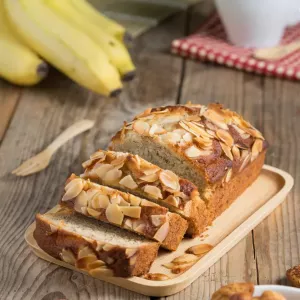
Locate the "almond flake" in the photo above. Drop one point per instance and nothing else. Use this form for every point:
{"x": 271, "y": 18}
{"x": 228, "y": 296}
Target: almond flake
{"x": 73, "y": 189}
{"x": 85, "y": 251}
{"x": 225, "y": 136}
{"x": 108, "y": 247}
{"x": 68, "y": 256}
{"x": 87, "y": 163}
{"x": 116, "y": 198}
{"x": 228, "y": 175}
{"x": 53, "y": 228}
{"x": 169, "y": 265}
{"x": 254, "y": 132}
{"x": 114, "y": 214}
{"x": 98, "y": 155}
{"x": 128, "y": 224}
{"x": 123, "y": 202}
{"x": 112, "y": 175}
{"x": 151, "y": 169}
{"x": 215, "y": 118}
{"x": 94, "y": 213}
{"x": 145, "y": 202}
{"x": 149, "y": 178}
{"x": 128, "y": 182}
{"x": 245, "y": 162}
{"x": 172, "y": 137}
{"x": 154, "y": 191}
{"x": 169, "y": 179}
{"x": 194, "y": 152}
{"x": 130, "y": 252}
{"x": 131, "y": 211}
{"x": 245, "y": 136}
{"x": 101, "y": 271}
{"x": 80, "y": 201}
{"x": 156, "y": 276}
{"x": 185, "y": 258}
{"x": 257, "y": 147}
{"x": 96, "y": 264}
{"x": 141, "y": 127}
{"x": 199, "y": 249}
{"x": 226, "y": 150}
{"x": 157, "y": 112}
{"x": 119, "y": 161}
{"x": 188, "y": 137}
{"x": 140, "y": 229}
{"x": 102, "y": 169}
{"x": 99, "y": 201}
{"x": 135, "y": 201}
{"x": 172, "y": 201}
{"x": 162, "y": 232}
{"x": 236, "y": 152}
{"x": 158, "y": 220}
{"x": 202, "y": 110}
{"x": 155, "y": 129}
{"x": 179, "y": 269}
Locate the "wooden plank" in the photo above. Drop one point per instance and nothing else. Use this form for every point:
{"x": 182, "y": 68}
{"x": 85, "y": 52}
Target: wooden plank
{"x": 8, "y": 100}
{"x": 277, "y": 239}
{"x": 43, "y": 112}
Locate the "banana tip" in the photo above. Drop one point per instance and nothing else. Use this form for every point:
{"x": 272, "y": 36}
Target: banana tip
{"x": 43, "y": 69}
{"x": 115, "y": 93}
{"x": 129, "y": 76}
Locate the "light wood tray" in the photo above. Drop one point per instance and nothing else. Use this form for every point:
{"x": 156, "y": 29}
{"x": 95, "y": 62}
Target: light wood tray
{"x": 257, "y": 202}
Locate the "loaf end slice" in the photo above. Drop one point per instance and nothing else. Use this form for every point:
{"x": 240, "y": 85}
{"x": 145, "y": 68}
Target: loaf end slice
{"x": 98, "y": 248}
{"x": 135, "y": 175}
{"x": 124, "y": 210}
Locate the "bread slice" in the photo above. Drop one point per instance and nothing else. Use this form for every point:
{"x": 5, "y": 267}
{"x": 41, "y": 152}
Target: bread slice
{"x": 212, "y": 147}
{"x": 133, "y": 174}
{"x": 125, "y": 210}
{"x": 98, "y": 248}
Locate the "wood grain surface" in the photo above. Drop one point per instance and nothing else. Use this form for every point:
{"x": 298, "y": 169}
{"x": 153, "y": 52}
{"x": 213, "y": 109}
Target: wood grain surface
{"x": 30, "y": 118}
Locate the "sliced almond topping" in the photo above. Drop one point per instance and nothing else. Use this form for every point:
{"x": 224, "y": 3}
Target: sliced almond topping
{"x": 84, "y": 211}
{"x": 102, "y": 169}
{"x": 244, "y": 153}
{"x": 245, "y": 162}
{"x": 185, "y": 258}
{"x": 226, "y": 150}
{"x": 53, "y": 228}
{"x": 155, "y": 129}
{"x": 98, "y": 155}
{"x": 131, "y": 211}
{"x": 194, "y": 128}
{"x": 100, "y": 272}
{"x": 85, "y": 251}
{"x": 187, "y": 137}
{"x": 141, "y": 228}
{"x": 161, "y": 111}
{"x": 73, "y": 189}
{"x": 116, "y": 198}
{"x": 94, "y": 213}
{"x": 114, "y": 214}
{"x": 148, "y": 203}
{"x": 141, "y": 127}
{"x": 136, "y": 223}
{"x": 199, "y": 249}
{"x": 169, "y": 179}
{"x": 149, "y": 178}
{"x": 158, "y": 220}
{"x": 203, "y": 109}
{"x": 119, "y": 161}
{"x": 123, "y": 202}
{"x": 169, "y": 265}
{"x": 130, "y": 252}
{"x": 154, "y": 191}
{"x": 150, "y": 169}
{"x": 99, "y": 246}
{"x": 215, "y": 118}
{"x": 172, "y": 137}
{"x": 172, "y": 201}
{"x": 228, "y": 175}
{"x": 257, "y": 147}
{"x": 99, "y": 201}
{"x": 254, "y": 132}
{"x": 156, "y": 276}
{"x": 91, "y": 192}
{"x": 204, "y": 143}
{"x": 236, "y": 152}
{"x": 181, "y": 268}
{"x": 135, "y": 201}
{"x": 82, "y": 263}
{"x": 162, "y": 232}
{"x": 225, "y": 136}
{"x": 245, "y": 136}
{"x": 194, "y": 152}
{"x": 132, "y": 260}
{"x": 112, "y": 175}
{"x": 128, "y": 224}
{"x": 108, "y": 247}
{"x": 68, "y": 256}
{"x": 87, "y": 163}
{"x": 96, "y": 264}
{"x": 80, "y": 201}
{"x": 128, "y": 182}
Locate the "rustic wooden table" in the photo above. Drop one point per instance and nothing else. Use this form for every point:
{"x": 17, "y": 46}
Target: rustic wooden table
{"x": 30, "y": 118}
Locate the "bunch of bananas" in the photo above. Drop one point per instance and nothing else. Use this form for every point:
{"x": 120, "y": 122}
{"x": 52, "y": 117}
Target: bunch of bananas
{"x": 69, "y": 34}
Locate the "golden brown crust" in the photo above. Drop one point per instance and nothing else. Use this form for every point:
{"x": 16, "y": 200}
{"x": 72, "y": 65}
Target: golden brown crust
{"x": 114, "y": 260}
{"x": 151, "y": 182}
{"x": 293, "y": 275}
{"x": 234, "y": 291}
{"x": 125, "y": 211}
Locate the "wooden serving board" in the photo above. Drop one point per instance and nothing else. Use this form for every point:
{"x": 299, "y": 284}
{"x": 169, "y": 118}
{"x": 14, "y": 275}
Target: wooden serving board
{"x": 257, "y": 202}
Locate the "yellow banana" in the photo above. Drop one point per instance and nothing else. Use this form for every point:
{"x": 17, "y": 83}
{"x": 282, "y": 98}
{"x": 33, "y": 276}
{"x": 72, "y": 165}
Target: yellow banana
{"x": 68, "y": 49}
{"x": 18, "y": 64}
{"x": 101, "y": 21}
{"x": 115, "y": 50}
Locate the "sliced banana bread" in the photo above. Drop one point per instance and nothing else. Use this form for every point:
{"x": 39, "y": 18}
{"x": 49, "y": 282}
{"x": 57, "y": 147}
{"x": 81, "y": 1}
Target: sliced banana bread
{"x": 133, "y": 174}
{"x": 213, "y": 147}
{"x": 98, "y": 248}
{"x": 125, "y": 210}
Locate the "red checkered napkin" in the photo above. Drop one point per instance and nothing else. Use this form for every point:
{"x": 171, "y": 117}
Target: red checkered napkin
{"x": 210, "y": 43}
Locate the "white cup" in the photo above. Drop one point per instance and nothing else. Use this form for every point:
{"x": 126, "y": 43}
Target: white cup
{"x": 253, "y": 23}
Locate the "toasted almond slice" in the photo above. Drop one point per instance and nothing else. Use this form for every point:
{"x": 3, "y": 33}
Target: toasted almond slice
{"x": 254, "y": 132}
{"x": 119, "y": 160}
{"x": 169, "y": 265}
{"x": 169, "y": 179}
{"x": 156, "y": 276}
{"x": 140, "y": 229}
{"x": 68, "y": 256}
{"x": 128, "y": 182}
{"x": 164, "y": 111}
{"x": 83, "y": 262}
{"x": 257, "y": 147}
{"x": 185, "y": 258}
{"x": 228, "y": 175}
{"x": 158, "y": 220}
{"x": 53, "y": 228}
{"x": 141, "y": 127}
{"x": 179, "y": 269}
{"x": 245, "y": 162}
{"x": 135, "y": 201}
{"x": 136, "y": 223}
{"x": 181, "y": 132}
{"x": 199, "y": 249}
{"x": 91, "y": 192}
{"x": 187, "y": 137}
{"x": 162, "y": 232}
{"x": 215, "y": 118}
{"x": 100, "y": 272}
{"x": 149, "y": 178}
{"x": 245, "y": 136}
{"x": 154, "y": 191}
{"x": 80, "y": 201}
{"x": 84, "y": 211}
{"x": 87, "y": 163}
{"x": 226, "y": 150}
{"x": 102, "y": 169}
{"x": 99, "y": 201}
{"x": 96, "y": 264}
{"x": 225, "y": 136}
{"x": 94, "y": 213}
{"x": 116, "y": 198}
{"x": 112, "y": 175}
{"x": 244, "y": 153}
{"x": 128, "y": 224}
{"x": 194, "y": 152}
{"x": 149, "y": 169}
{"x": 98, "y": 155}
{"x": 145, "y": 202}
{"x": 172, "y": 201}
{"x": 99, "y": 246}
{"x": 155, "y": 129}
{"x": 108, "y": 247}
{"x": 236, "y": 152}
{"x": 131, "y": 211}
{"x": 130, "y": 252}
{"x": 132, "y": 260}
{"x": 123, "y": 202}
{"x": 171, "y": 137}
{"x": 85, "y": 251}
{"x": 73, "y": 190}
{"x": 114, "y": 214}
{"x": 203, "y": 109}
